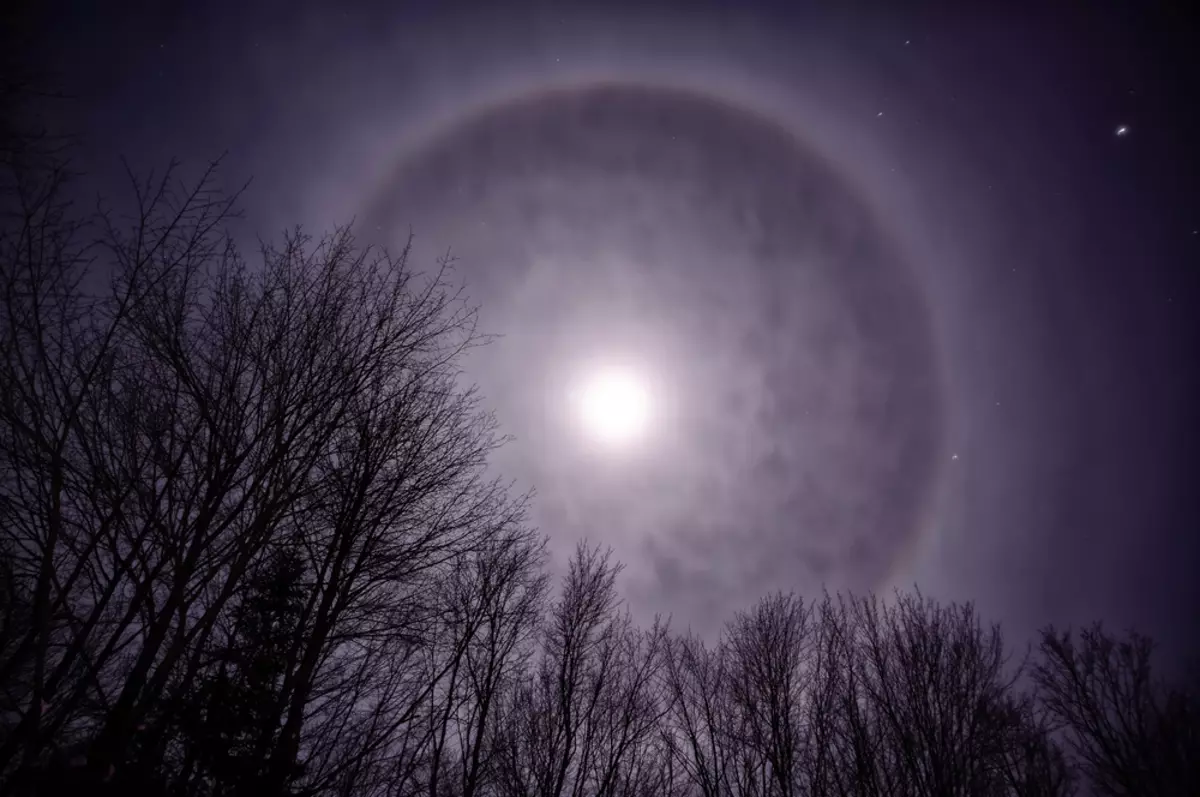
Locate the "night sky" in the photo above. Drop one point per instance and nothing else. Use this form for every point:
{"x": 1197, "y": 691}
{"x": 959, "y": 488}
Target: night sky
{"x": 913, "y": 295}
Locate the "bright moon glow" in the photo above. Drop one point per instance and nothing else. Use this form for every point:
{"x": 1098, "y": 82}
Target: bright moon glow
{"x": 615, "y": 406}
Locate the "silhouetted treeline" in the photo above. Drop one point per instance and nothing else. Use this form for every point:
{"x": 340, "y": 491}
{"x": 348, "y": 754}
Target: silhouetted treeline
{"x": 248, "y": 546}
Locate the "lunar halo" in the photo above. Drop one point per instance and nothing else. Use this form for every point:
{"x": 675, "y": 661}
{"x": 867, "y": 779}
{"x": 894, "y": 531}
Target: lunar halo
{"x": 756, "y": 281}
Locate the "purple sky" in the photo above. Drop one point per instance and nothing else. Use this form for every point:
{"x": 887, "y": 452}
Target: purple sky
{"x": 912, "y": 309}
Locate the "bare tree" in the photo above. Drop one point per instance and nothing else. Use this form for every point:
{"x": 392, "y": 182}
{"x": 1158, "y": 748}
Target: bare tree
{"x": 935, "y": 681}
{"x": 162, "y": 434}
{"x": 1032, "y": 763}
{"x": 67, "y": 501}
{"x": 857, "y": 697}
{"x": 696, "y": 680}
{"x": 1131, "y": 732}
{"x": 770, "y": 673}
{"x": 489, "y": 603}
{"x": 586, "y": 722}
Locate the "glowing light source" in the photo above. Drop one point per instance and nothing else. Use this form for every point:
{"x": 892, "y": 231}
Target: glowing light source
{"x": 614, "y": 406}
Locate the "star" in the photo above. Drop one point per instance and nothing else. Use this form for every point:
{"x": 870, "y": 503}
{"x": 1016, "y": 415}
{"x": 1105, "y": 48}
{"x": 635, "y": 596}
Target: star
{"x": 1122, "y": 130}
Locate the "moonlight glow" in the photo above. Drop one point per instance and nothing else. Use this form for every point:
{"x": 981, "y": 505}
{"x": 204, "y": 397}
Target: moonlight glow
{"x": 614, "y": 406}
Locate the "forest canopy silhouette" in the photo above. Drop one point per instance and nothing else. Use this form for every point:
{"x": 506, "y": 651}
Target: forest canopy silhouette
{"x": 251, "y": 547}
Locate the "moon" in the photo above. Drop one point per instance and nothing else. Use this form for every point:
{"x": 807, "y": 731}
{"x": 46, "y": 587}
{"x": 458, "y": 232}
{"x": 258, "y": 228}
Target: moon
{"x": 614, "y": 405}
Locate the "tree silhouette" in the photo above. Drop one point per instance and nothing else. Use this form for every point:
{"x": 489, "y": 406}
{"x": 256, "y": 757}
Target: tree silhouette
{"x": 172, "y": 417}
{"x": 586, "y": 720}
{"x": 1132, "y": 733}
{"x": 222, "y": 722}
